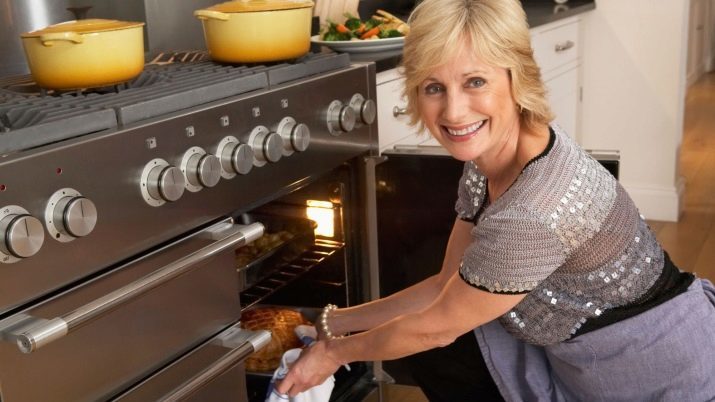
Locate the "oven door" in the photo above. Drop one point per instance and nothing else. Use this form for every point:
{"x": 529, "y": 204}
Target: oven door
{"x": 101, "y": 337}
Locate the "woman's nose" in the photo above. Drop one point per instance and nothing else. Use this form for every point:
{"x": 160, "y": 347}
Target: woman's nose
{"x": 455, "y": 107}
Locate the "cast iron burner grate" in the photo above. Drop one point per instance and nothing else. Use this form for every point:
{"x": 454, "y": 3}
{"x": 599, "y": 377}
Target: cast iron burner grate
{"x": 32, "y": 117}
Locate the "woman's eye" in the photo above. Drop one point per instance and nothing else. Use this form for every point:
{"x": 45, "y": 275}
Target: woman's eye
{"x": 476, "y": 82}
{"x": 432, "y": 89}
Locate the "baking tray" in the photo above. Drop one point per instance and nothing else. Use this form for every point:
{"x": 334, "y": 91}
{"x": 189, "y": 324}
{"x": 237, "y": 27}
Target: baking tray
{"x": 285, "y": 239}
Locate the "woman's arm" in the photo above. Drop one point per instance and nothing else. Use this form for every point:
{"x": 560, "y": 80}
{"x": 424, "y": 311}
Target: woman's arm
{"x": 458, "y": 308}
{"x": 411, "y": 299}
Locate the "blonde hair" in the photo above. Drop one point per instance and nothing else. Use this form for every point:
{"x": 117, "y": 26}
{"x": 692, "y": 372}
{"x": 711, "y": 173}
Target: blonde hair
{"x": 498, "y": 32}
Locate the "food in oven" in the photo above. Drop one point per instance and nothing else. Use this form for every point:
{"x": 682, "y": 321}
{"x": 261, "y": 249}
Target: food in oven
{"x": 285, "y": 239}
{"x": 281, "y": 322}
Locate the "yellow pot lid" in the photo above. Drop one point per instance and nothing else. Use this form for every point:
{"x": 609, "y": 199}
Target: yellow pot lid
{"x": 83, "y": 26}
{"x": 247, "y": 6}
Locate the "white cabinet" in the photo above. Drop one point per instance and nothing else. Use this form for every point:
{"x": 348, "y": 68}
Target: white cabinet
{"x": 557, "y": 50}
{"x": 392, "y": 123}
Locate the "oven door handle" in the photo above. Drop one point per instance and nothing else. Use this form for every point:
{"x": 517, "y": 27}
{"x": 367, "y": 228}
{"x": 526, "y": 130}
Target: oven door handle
{"x": 40, "y": 332}
{"x": 251, "y": 342}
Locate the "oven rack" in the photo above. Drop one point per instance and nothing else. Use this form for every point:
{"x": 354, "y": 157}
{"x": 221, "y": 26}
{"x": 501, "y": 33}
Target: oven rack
{"x": 316, "y": 254}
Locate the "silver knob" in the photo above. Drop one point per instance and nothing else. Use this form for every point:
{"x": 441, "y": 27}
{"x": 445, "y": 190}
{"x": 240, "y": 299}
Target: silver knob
{"x": 22, "y": 235}
{"x": 296, "y": 136}
{"x": 341, "y": 118}
{"x": 203, "y": 170}
{"x": 236, "y": 157}
{"x": 165, "y": 183}
{"x": 75, "y": 216}
{"x": 366, "y": 110}
{"x": 267, "y": 146}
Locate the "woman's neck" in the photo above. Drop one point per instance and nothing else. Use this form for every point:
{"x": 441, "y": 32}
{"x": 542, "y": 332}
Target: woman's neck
{"x": 504, "y": 166}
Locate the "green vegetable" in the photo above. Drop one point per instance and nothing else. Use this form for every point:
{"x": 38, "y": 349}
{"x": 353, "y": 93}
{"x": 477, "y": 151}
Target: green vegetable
{"x": 357, "y": 29}
{"x": 353, "y": 23}
{"x": 391, "y": 33}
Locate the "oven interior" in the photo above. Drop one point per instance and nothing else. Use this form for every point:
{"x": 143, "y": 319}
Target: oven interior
{"x": 308, "y": 257}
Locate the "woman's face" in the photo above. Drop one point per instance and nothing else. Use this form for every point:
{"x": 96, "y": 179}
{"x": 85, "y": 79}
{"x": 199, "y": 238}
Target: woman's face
{"x": 468, "y": 107}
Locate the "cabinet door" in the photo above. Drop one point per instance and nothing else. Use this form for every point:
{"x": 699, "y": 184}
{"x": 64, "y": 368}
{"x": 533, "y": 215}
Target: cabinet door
{"x": 564, "y": 100}
{"x": 392, "y": 127}
{"x": 696, "y": 40}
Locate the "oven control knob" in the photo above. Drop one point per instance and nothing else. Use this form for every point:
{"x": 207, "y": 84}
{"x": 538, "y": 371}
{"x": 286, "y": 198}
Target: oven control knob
{"x": 162, "y": 182}
{"x": 69, "y": 215}
{"x": 296, "y": 136}
{"x": 21, "y": 234}
{"x": 341, "y": 118}
{"x": 234, "y": 157}
{"x": 366, "y": 110}
{"x": 201, "y": 169}
{"x": 267, "y": 146}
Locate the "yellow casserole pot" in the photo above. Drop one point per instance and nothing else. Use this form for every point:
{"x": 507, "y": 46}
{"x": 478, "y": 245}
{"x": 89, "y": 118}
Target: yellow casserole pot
{"x": 253, "y": 31}
{"x": 85, "y": 53}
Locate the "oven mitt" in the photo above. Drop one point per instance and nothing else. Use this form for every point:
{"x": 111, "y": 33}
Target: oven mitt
{"x": 320, "y": 393}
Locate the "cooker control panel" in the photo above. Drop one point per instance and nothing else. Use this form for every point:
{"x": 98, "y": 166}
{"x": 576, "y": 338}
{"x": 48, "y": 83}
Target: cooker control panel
{"x": 21, "y": 234}
{"x": 69, "y": 215}
{"x": 365, "y": 109}
{"x": 296, "y": 136}
{"x": 267, "y": 146}
{"x": 200, "y": 169}
{"x": 341, "y": 118}
{"x": 161, "y": 182}
{"x": 234, "y": 157}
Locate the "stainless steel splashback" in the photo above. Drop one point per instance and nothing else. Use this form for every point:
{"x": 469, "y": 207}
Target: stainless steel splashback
{"x": 18, "y": 16}
{"x": 170, "y": 24}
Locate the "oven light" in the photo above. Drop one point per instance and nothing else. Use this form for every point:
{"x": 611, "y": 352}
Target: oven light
{"x": 322, "y": 213}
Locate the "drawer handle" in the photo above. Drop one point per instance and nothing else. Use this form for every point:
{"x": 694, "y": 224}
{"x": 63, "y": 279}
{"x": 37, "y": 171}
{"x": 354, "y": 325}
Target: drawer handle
{"x": 257, "y": 340}
{"x": 32, "y": 333}
{"x": 563, "y": 46}
{"x": 399, "y": 111}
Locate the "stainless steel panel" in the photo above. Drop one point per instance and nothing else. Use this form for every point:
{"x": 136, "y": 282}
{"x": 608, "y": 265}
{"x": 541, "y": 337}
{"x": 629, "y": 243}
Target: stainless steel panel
{"x": 106, "y": 168}
{"x": 19, "y": 16}
{"x": 115, "y": 350}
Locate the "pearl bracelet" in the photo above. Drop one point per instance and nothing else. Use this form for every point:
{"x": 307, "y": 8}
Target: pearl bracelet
{"x": 324, "y": 321}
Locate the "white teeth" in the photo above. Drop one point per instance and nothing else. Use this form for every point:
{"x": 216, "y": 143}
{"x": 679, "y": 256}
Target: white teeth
{"x": 467, "y": 130}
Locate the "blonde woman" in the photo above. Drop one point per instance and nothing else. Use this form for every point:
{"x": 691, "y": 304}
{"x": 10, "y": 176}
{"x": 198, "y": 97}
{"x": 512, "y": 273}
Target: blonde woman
{"x": 552, "y": 285}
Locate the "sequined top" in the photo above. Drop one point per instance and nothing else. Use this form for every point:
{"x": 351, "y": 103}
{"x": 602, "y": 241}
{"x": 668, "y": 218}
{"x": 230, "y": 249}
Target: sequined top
{"x": 567, "y": 234}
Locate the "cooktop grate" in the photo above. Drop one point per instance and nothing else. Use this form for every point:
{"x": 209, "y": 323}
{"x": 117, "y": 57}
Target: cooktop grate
{"x": 32, "y": 117}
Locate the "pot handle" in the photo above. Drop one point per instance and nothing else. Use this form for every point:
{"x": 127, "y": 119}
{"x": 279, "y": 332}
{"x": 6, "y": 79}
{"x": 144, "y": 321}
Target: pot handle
{"x": 211, "y": 15}
{"x": 49, "y": 39}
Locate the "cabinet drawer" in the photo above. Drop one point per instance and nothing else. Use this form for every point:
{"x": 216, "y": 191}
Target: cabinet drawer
{"x": 554, "y": 47}
{"x": 394, "y": 129}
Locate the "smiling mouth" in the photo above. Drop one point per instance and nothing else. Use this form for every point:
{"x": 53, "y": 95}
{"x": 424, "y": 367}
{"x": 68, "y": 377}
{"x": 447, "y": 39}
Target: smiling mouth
{"x": 466, "y": 131}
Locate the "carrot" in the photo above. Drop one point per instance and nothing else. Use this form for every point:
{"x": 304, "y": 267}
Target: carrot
{"x": 342, "y": 28}
{"x": 361, "y": 28}
{"x": 370, "y": 33}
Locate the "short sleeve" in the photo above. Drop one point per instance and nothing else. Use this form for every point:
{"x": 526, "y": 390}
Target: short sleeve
{"x": 471, "y": 192}
{"x": 513, "y": 252}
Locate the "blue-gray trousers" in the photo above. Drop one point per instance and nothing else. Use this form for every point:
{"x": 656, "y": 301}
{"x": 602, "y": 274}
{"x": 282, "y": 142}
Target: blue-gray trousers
{"x": 664, "y": 354}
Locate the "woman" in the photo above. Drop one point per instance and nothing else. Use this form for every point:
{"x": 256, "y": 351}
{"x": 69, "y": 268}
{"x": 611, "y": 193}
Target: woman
{"x": 549, "y": 267}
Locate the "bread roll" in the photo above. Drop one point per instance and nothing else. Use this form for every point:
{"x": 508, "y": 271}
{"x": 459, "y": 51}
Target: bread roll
{"x": 281, "y": 322}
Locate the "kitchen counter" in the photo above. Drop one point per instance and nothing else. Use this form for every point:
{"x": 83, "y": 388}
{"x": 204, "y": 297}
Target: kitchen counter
{"x": 538, "y": 12}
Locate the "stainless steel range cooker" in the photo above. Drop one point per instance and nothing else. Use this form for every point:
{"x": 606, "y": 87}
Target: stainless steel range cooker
{"x": 121, "y": 209}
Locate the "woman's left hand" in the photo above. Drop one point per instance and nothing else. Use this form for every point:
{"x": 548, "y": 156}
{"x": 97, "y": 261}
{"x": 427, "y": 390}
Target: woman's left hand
{"x": 312, "y": 368}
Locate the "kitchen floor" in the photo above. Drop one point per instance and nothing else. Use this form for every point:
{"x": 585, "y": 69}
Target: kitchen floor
{"x": 690, "y": 241}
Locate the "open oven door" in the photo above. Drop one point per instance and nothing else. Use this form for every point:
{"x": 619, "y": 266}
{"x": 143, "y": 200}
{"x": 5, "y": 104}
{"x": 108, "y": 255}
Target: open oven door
{"x": 416, "y": 190}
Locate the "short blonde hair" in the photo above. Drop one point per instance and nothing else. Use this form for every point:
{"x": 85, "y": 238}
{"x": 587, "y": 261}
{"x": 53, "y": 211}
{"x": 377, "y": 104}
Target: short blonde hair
{"x": 498, "y": 32}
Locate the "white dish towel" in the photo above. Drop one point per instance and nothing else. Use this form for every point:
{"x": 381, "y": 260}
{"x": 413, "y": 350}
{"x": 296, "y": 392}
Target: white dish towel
{"x": 320, "y": 393}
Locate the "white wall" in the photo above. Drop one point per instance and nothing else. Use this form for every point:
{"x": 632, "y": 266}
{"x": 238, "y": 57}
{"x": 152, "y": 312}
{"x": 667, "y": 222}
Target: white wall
{"x": 633, "y": 95}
